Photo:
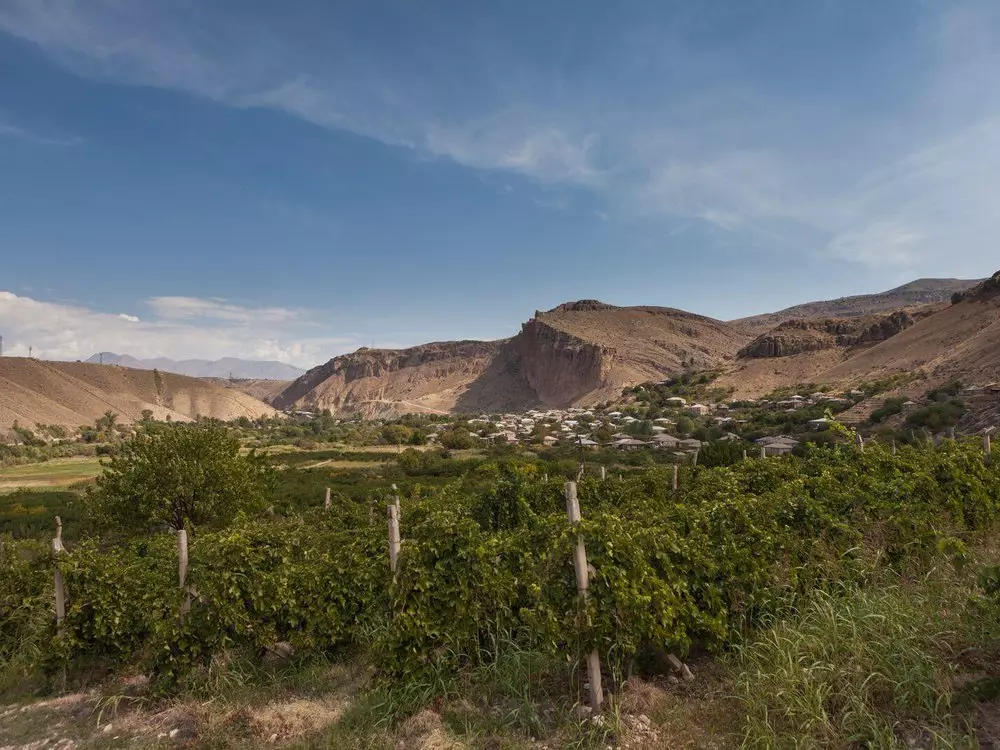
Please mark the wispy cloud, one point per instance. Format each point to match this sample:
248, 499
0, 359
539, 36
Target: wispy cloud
657, 129
191, 308
179, 327
13, 131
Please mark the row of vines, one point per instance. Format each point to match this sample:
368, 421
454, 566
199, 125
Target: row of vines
669, 571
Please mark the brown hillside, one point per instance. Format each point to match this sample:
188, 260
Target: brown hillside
432, 378
960, 341
258, 388
955, 341
578, 353
76, 393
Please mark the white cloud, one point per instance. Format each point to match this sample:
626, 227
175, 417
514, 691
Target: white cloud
193, 328
188, 308
911, 189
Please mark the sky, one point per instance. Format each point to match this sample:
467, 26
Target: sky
290, 181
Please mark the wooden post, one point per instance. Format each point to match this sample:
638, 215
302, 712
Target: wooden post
604, 473
694, 461
182, 570
395, 501
861, 443
744, 454
987, 446
57, 549
393, 538
894, 446
763, 451
676, 470
545, 477
582, 585
326, 500
951, 432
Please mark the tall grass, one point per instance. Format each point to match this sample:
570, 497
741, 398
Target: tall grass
859, 668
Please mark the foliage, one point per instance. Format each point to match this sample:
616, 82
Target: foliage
937, 416
182, 476
490, 553
891, 407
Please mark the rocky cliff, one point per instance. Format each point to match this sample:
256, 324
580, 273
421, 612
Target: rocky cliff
559, 367
799, 336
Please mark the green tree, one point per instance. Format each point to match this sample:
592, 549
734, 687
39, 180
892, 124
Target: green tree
456, 439
187, 476
396, 434
685, 425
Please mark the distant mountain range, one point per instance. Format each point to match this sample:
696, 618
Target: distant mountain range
203, 368
914, 294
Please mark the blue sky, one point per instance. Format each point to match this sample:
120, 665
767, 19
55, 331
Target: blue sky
207, 178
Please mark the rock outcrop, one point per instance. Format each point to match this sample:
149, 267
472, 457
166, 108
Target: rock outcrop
799, 336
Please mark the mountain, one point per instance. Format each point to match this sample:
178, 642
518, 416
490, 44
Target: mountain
957, 340
915, 294
227, 367
76, 393
578, 353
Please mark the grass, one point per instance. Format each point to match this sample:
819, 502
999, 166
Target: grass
57, 472
875, 667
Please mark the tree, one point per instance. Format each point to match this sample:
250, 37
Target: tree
106, 423
185, 477
396, 434
456, 438
685, 425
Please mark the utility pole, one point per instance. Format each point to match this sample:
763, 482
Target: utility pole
1, 346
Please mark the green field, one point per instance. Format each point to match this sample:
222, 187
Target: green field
59, 472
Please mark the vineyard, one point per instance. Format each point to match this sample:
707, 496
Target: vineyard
668, 572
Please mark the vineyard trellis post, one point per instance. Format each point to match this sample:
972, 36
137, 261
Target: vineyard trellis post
395, 501
676, 470
987, 446
861, 443
763, 451
394, 542
604, 473
582, 585
60, 591
326, 501
182, 569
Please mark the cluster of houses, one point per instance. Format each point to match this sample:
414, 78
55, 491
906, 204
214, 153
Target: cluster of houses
576, 426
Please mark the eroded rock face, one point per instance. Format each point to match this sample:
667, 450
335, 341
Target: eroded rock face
558, 366
798, 336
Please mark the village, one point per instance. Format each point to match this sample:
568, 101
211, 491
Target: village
680, 427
